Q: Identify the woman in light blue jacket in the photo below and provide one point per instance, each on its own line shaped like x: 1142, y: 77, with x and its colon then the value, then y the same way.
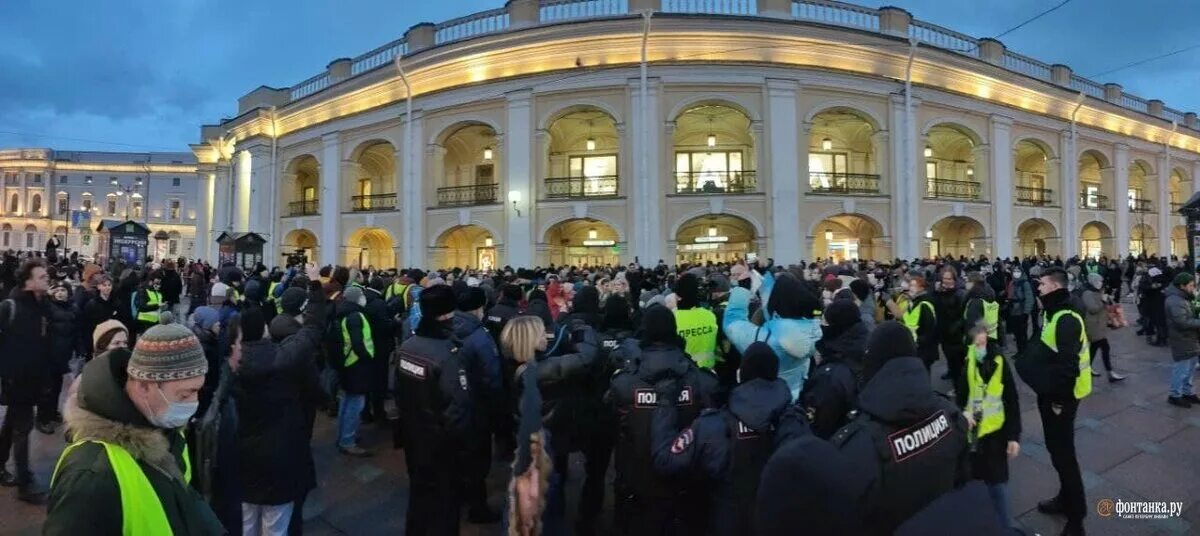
x: 791, y: 324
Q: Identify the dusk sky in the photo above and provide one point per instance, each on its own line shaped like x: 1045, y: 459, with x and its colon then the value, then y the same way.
x: 142, y: 75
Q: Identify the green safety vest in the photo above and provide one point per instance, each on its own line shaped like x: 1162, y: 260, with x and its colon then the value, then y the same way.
x: 153, y: 297
x: 991, y: 316
x: 1083, y: 382
x: 912, y: 317
x: 348, y: 349
x: 271, y: 297
x: 141, y: 510
x: 698, y: 327
x: 985, y: 399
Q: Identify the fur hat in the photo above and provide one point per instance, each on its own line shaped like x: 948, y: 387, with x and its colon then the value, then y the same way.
x: 471, y: 298
x: 436, y: 301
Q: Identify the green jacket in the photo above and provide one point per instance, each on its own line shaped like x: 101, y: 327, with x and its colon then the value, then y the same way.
x: 84, y: 497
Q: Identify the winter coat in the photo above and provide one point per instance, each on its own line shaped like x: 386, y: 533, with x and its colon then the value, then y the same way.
x: 948, y: 305
x: 64, y: 325
x: 568, y: 404
x: 792, y: 339
x: 171, y: 286
x: 704, y: 449
x: 84, y: 497
x: 383, y: 335
x: 198, y: 286
x: 1095, y: 318
x: 1152, y: 291
x: 358, y: 378
x: 24, y: 347
x: 831, y: 390
x: 1183, y: 332
x: 1022, y: 300
x: 274, y: 383
x: 479, y: 354
x: 282, y: 327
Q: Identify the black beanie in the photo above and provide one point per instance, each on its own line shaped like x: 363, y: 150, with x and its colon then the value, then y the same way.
x: 759, y: 361
x: 471, y: 298
x: 842, y: 314
x: 616, y: 313
x: 511, y: 292
x: 436, y: 301
x: 253, y: 324
x: 687, y: 290
x: 587, y: 300
x: 791, y: 298
x: 890, y: 340
x: 658, y: 326
x: 860, y: 288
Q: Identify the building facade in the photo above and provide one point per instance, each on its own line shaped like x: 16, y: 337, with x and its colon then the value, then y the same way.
x: 44, y: 187
x: 598, y: 131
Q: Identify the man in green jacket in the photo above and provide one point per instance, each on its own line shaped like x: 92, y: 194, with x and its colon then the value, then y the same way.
x: 128, y: 469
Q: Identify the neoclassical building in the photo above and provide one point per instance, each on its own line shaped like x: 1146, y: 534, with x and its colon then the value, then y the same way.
x: 595, y: 131
x: 42, y: 187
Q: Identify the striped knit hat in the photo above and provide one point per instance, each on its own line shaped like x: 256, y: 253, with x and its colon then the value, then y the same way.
x: 167, y: 353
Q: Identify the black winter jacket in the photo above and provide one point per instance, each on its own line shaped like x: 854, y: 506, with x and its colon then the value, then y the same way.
x: 24, y: 347
x: 831, y: 389
x: 64, y: 325
x: 1052, y: 374
x: 569, y: 407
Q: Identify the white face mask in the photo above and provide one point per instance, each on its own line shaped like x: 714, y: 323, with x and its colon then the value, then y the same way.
x: 904, y: 285
x: 1017, y: 274
x: 176, y: 414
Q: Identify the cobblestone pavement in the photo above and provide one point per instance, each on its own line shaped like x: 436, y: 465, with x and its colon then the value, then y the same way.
x: 1132, y: 447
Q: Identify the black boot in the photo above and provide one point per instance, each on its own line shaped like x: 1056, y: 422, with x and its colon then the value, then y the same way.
x: 1050, y: 506
x: 31, y: 493
x: 7, y: 479
x: 1074, y: 528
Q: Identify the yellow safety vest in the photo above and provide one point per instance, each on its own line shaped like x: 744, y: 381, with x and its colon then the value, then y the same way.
x: 142, y: 511
x: 991, y: 316
x: 352, y: 357
x: 397, y: 289
x: 912, y: 317
x: 154, y: 298
x: 698, y: 327
x: 1083, y: 382
x: 985, y: 399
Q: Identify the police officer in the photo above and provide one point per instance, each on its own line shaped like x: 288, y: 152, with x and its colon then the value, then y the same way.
x: 481, y: 359
x: 831, y: 389
x: 1057, y: 367
x: 648, y: 503
x: 433, y: 395
x: 981, y: 307
x: 697, y: 325
x: 725, y: 449
x: 913, y: 441
x: 920, y: 316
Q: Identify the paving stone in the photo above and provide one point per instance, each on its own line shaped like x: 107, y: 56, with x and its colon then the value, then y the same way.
x: 1155, y: 478
x: 1100, y: 452
x: 1140, y: 422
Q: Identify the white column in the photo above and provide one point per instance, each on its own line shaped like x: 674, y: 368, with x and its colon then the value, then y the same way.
x: 648, y: 143
x: 243, y: 166
x: 1121, y: 197
x: 1000, y: 174
x: 413, y: 242
x: 222, y: 209
x: 204, y: 215
x: 1164, y: 205
x: 784, y: 164
x: 518, y: 159
x: 331, y: 217
x: 906, y: 158
x: 1069, y: 196
x: 263, y: 182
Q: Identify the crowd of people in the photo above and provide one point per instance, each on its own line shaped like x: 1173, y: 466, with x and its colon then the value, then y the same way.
x: 738, y: 398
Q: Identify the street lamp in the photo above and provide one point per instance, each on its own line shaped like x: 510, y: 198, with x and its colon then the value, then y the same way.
x: 133, y: 191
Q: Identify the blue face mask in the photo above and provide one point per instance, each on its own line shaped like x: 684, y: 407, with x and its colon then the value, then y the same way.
x: 177, y: 413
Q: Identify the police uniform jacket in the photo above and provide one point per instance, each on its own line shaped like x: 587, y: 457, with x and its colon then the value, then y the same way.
x: 498, y: 316
x: 433, y: 394
x: 724, y: 449
x: 632, y: 396
x: 831, y: 389
x: 913, y: 441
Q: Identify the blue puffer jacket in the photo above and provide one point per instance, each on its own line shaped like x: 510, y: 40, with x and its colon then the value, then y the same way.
x: 794, y: 340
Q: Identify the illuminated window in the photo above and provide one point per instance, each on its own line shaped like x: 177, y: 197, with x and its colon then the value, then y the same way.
x: 173, y: 209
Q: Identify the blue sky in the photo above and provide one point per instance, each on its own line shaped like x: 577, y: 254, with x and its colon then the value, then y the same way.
x: 142, y: 75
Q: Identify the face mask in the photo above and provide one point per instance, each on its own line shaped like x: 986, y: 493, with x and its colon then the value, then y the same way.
x: 980, y: 352
x: 1017, y: 274
x: 904, y: 285
x: 177, y: 413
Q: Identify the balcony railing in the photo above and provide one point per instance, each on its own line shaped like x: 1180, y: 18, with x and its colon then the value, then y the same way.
x: 1038, y: 197
x: 1140, y: 205
x: 1094, y: 201
x: 302, y: 208
x: 951, y: 189
x: 575, y: 187
x: 714, y: 182
x: 843, y: 183
x: 373, y: 202
x: 462, y: 196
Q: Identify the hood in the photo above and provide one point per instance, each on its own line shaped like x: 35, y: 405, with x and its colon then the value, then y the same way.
x: 900, y: 393
x: 849, y: 347
x: 102, y: 389
x: 759, y: 402
x: 659, y: 361
x: 258, y: 359
x: 465, y: 324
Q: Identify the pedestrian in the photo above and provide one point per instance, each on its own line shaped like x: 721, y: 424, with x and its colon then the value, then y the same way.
x: 1095, y: 319
x: 354, y: 363
x: 948, y: 303
x: 109, y: 335
x: 430, y: 374
x: 919, y: 315
x: 724, y: 450
x: 63, y: 337
x: 1057, y: 366
x: 148, y: 302
x: 988, y: 395
x: 171, y: 285
x: 532, y: 470
x: 910, y: 439
x: 1151, y: 288
x: 24, y: 355
x: 1020, y: 307
x: 383, y: 335
x: 1183, y: 334
x: 481, y: 359
x: 129, y: 472
x: 865, y: 299
x: 980, y: 307
x: 831, y: 389
x: 790, y: 326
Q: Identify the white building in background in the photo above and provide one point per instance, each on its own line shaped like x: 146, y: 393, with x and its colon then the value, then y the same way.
x: 552, y: 131
x: 43, y: 186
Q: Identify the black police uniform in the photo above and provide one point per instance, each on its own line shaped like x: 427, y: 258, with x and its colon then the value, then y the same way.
x: 831, y: 388
x: 911, y: 438
x: 433, y: 395
x: 724, y: 449
x: 646, y: 502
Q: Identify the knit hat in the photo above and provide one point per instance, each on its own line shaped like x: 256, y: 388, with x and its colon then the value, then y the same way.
x: 436, y: 301
x: 104, y: 333
x: 687, y: 291
x: 1182, y: 279
x: 253, y: 324
x: 205, y: 317
x: 890, y: 340
x: 292, y: 301
x: 167, y: 353
x: 1097, y: 280
x: 860, y: 288
x: 759, y: 361
x: 352, y: 294
x: 471, y: 298
x: 842, y: 314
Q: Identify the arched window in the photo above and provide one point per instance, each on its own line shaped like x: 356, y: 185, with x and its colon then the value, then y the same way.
x: 35, y: 205
x: 30, y: 232
x: 14, y: 204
